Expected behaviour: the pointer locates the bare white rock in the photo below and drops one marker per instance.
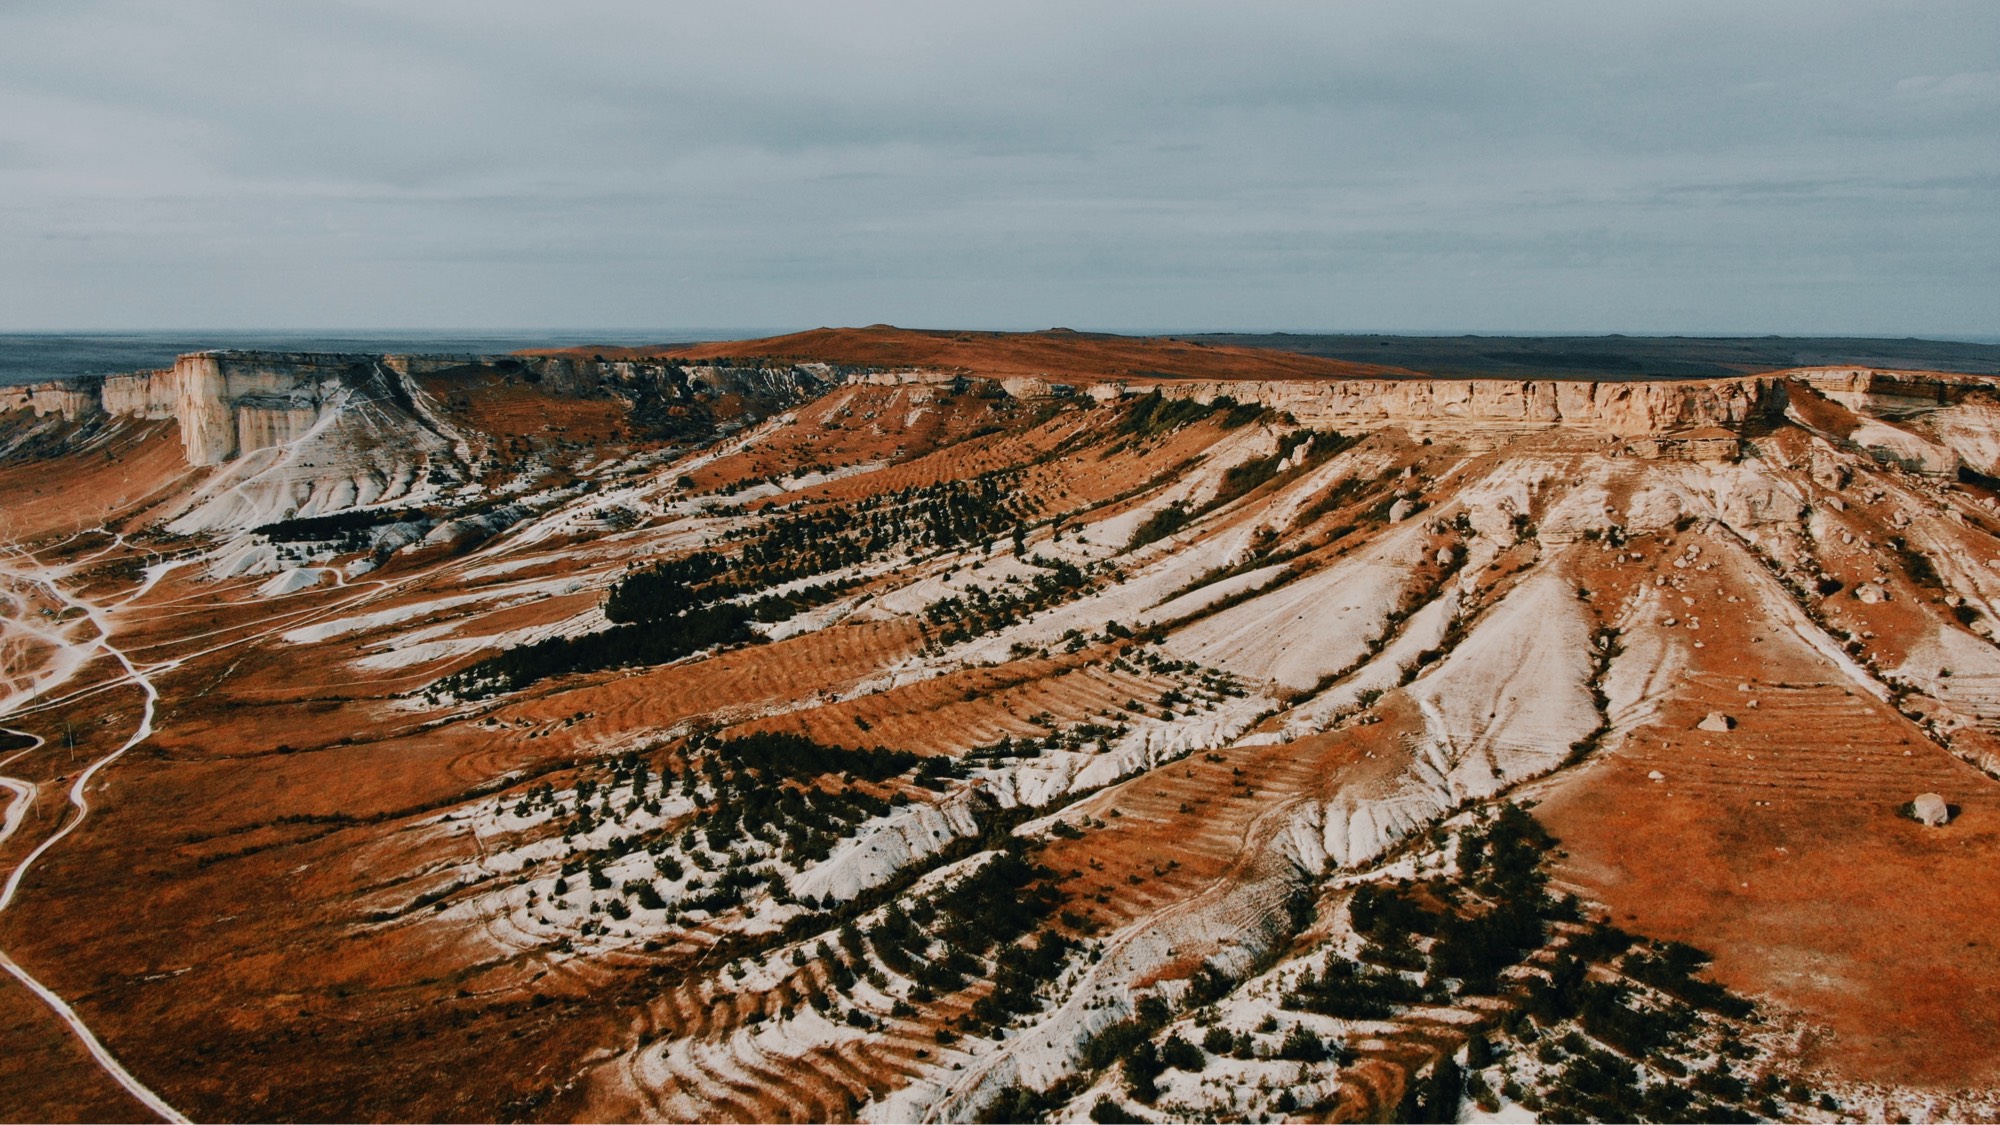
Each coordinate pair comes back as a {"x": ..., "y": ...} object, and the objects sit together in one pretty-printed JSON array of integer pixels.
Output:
[
  {"x": 1716, "y": 721},
  {"x": 1870, "y": 593},
  {"x": 1929, "y": 808}
]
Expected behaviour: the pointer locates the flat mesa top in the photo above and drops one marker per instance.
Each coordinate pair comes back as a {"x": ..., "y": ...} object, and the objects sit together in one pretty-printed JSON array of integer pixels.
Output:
[{"x": 1060, "y": 353}]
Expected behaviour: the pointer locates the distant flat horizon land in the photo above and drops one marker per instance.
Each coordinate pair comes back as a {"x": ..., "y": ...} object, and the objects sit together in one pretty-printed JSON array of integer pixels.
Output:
[{"x": 27, "y": 357}]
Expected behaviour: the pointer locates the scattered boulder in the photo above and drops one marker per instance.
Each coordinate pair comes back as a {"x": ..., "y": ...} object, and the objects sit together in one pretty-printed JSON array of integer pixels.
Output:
[
  {"x": 1399, "y": 509},
  {"x": 1656, "y": 775},
  {"x": 1871, "y": 593},
  {"x": 469, "y": 531},
  {"x": 1716, "y": 721},
  {"x": 1930, "y": 809}
]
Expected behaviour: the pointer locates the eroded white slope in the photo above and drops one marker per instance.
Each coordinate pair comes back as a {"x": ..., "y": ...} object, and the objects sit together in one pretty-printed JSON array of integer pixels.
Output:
[
  {"x": 1315, "y": 626},
  {"x": 1505, "y": 706},
  {"x": 357, "y": 454},
  {"x": 1509, "y": 701}
]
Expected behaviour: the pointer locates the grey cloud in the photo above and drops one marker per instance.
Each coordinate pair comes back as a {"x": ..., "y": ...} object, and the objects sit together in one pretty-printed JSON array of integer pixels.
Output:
[{"x": 1789, "y": 166}]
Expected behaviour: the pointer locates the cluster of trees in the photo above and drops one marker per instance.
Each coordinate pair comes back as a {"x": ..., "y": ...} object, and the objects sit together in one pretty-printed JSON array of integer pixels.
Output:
[
  {"x": 934, "y": 516},
  {"x": 1239, "y": 480},
  {"x": 793, "y": 793},
  {"x": 1621, "y": 1016},
  {"x": 1005, "y": 898},
  {"x": 1500, "y": 862},
  {"x": 1018, "y": 973},
  {"x": 664, "y": 613},
  {"x": 782, "y": 607},
  {"x": 669, "y": 588},
  {"x": 1351, "y": 491},
  {"x": 1628, "y": 1000},
  {"x": 1129, "y": 1042},
  {"x": 678, "y": 607},
  {"x": 1594, "y": 1084},
  {"x": 1351, "y": 991},
  {"x": 981, "y": 611},
  {"x": 942, "y": 941},
  {"x": 349, "y": 530},
  {"x": 1671, "y": 968},
  {"x": 777, "y": 805},
  {"x": 1503, "y": 863},
  {"x": 629, "y": 775},
  {"x": 1161, "y": 524},
  {"x": 621, "y": 646},
  {"x": 1152, "y": 414},
  {"x": 771, "y": 788},
  {"x": 775, "y": 756},
  {"x": 1075, "y": 738}
]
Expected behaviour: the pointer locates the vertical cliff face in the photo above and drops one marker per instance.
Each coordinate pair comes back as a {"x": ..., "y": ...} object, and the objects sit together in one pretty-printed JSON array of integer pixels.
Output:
[
  {"x": 1621, "y": 409},
  {"x": 70, "y": 398},
  {"x": 299, "y": 435},
  {"x": 231, "y": 403},
  {"x": 152, "y": 395},
  {"x": 208, "y": 432},
  {"x": 1885, "y": 392}
]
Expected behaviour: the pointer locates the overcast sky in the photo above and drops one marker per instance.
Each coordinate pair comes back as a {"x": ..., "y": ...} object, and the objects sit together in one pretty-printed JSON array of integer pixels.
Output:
[{"x": 1790, "y": 167}]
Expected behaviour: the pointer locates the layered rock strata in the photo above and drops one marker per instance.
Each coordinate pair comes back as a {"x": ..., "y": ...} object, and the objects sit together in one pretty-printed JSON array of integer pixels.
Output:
[
  {"x": 1618, "y": 409},
  {"x": 229, "y": 403}
]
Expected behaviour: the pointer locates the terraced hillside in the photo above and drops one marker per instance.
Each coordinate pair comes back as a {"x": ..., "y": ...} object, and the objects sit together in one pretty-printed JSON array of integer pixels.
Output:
[{"x": 868, "y": 725}]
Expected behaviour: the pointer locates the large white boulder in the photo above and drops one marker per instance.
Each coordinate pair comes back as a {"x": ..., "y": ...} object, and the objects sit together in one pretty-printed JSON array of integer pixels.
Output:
[{"x": 1929, "y": 808}]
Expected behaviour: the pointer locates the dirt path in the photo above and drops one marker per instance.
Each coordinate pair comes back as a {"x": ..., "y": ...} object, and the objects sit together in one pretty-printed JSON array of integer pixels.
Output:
[
  {"x": 25, "y": 792},
  {"x": 78, "y": 797}
]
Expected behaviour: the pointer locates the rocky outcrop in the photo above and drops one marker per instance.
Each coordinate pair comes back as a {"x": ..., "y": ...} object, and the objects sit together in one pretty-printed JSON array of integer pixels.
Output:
[
  {"x": 1874, "y": 391},
  {"x": 469, "y": 531},
  {"x": 1621, "y": 409},
  {"x": 234, "y": 402},
  {"x": 1706, "y": 443},
  {"x": 1930, "y": 809},
  {"x": 1681, "y": 419},
  {"x": 568, "y": 375},
  {"x": 70, "y": 398},
  {"x": 1016, "y": 386},
  {"x": 151, "y": 395}
]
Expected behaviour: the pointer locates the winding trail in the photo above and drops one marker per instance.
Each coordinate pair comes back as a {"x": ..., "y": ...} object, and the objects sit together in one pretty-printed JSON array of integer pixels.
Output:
[{"x": 25, "y": 792}]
